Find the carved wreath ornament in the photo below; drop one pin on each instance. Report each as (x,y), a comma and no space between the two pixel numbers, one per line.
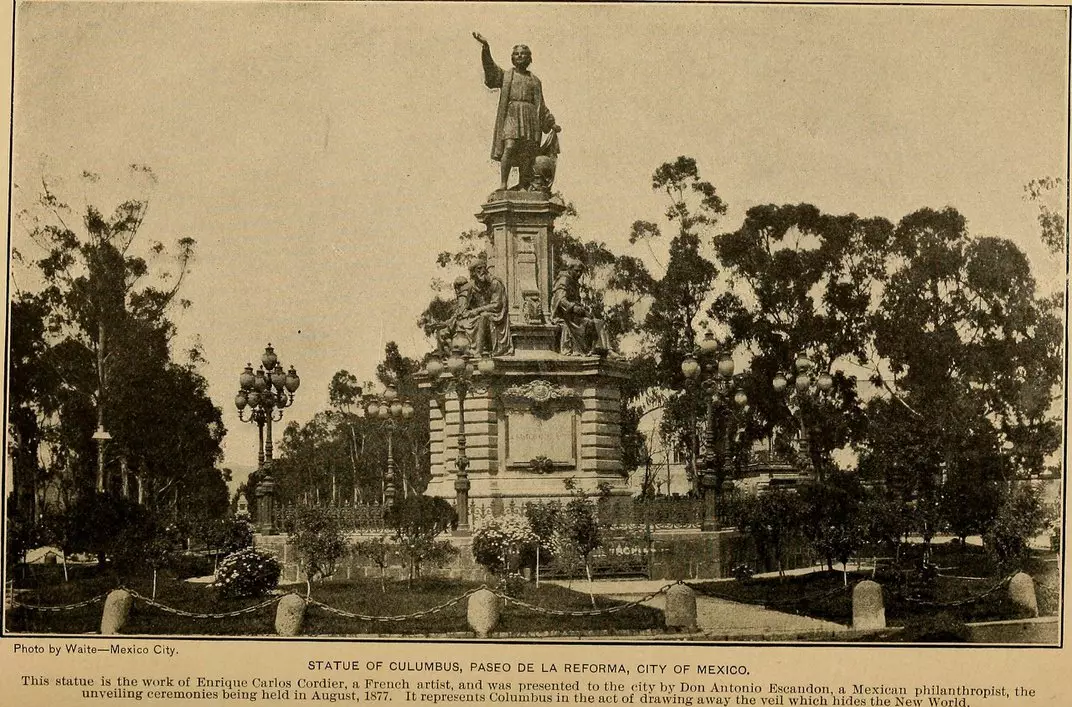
(541,465)
(539,391)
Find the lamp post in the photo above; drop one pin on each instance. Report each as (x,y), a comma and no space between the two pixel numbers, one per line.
(389,410)
(265,393)
(802,386)
(722,393)
(461,367)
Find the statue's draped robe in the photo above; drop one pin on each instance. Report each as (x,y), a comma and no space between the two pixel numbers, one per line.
(522,113)
(577,328)
(497,320)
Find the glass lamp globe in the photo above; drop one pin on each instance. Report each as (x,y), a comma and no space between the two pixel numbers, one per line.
(390,394)
(825,382)
(725,366)
(245,378)
(278,377)
(708,344)
(240,401)
(486,365)
(456,365)
(268,358)
(690,367)
(802,382)
(740,398)
(292,381)
(779,383)
(434,367)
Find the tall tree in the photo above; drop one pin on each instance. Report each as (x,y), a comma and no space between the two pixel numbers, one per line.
(102,298)
(676,299)
(801,281)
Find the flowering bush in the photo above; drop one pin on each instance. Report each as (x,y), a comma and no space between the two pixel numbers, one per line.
(247,573)
(503,543)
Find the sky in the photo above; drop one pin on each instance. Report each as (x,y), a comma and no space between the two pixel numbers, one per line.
(321,155)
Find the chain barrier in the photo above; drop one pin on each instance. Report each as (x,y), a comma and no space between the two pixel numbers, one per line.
(959,602)
(786,602)
(15,604)
(404,617)
(583,612)
(194,615)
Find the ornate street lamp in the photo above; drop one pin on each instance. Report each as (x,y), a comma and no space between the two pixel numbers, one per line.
(461,368)
(265,393)
(804,384)
(722,392)
(388,410)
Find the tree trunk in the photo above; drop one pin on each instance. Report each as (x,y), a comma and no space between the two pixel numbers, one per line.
(588,572)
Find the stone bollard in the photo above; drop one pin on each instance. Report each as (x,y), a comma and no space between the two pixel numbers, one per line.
(116,612)
(868,610)
(681,608)
(1022,593)
(483,612)
(289,614)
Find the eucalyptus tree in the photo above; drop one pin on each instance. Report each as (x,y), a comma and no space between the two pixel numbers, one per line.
(102,296)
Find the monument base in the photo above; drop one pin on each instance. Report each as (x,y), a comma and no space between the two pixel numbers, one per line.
(539,420)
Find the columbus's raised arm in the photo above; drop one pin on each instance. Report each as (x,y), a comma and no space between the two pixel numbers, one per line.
(493,75)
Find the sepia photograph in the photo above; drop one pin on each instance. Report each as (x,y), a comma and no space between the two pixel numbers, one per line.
(639,326)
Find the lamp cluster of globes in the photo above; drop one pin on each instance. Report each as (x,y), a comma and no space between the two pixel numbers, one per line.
(459,362)
(724,369)
(802,380)
(389,406)
(269,387)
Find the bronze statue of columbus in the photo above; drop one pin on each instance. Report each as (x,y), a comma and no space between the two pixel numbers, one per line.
(522,116)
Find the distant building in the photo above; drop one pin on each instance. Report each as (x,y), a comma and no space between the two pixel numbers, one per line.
(668,474)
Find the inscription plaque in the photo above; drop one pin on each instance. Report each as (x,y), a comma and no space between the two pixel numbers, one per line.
(529,436)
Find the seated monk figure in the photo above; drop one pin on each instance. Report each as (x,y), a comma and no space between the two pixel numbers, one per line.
(459,320)
(490,311)
(581,333)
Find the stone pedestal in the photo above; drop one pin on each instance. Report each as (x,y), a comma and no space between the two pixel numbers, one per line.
(528,427)
(520,225)
(266,504)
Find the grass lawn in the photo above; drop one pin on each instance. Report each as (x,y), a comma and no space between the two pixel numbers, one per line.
(967,573)
(364,597)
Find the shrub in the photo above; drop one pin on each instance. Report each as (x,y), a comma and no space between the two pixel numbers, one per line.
(247,573)
(417,520)
(233,534)
(379,550)
(1020,518)
(504,543)
(192,565)
(317,538)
